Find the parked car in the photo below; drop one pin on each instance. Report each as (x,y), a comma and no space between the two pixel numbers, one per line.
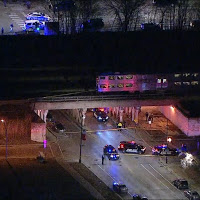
(111,152)
(92,25)
(164,150)
(38,16)
(150,27)
(49,117)
(120,188)
(192,195)
(60,128)
(139,197)
(180,184)
(195,25)
(101,116)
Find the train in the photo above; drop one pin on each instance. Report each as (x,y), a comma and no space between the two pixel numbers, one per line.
(131,83)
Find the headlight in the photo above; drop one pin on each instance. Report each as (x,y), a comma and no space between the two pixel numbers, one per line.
(100,117)
(107,117)
(111,156)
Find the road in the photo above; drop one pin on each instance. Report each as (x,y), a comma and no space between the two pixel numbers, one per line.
(143,174)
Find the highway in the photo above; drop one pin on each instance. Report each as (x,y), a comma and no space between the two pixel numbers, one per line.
(142,174)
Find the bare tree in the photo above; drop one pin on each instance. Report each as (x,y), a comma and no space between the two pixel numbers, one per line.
(124,11)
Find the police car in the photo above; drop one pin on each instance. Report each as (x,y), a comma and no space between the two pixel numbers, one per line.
(111,152)
(101,116)
(131,147)
(38,16)
(164,150)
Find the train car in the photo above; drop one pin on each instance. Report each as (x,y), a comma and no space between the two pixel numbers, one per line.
(129,82)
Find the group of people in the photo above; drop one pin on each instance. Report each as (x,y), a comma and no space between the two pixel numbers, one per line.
(11,29)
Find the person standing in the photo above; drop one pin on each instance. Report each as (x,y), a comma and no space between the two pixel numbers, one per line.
(2,31)
(102,159)
(11,28)
(147,116)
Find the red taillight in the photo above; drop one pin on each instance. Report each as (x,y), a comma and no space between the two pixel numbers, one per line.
(121,146)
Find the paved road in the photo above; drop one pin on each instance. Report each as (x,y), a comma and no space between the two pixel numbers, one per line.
(142,174)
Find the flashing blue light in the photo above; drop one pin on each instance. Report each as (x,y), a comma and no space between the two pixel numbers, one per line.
(38,28)
(109,150)
(114,183)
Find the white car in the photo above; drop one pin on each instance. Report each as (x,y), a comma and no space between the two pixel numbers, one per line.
(38,16)
(33,24)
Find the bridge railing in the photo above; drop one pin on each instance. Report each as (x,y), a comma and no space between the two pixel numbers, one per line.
(104,97)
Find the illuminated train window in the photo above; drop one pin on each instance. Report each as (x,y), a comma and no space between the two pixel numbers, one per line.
(186,83)
(194,82)
(158,80)
(177,75)
(177,83)
(120,85)
(186,74)
(164,80)
(111,78)
(195,74)
(129,76)
(103,86)
(120,77)
(102,77)
(111,86)
(129,85)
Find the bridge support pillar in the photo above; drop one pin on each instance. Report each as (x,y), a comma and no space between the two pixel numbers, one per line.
(82,116)
(126,111)
(129,112)
(121,112)
(132,114)
(117,112)
(137,109)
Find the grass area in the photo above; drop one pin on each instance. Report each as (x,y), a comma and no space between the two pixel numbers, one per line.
(29,179)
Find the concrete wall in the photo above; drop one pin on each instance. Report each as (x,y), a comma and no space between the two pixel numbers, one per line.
(38,132)
(189,126)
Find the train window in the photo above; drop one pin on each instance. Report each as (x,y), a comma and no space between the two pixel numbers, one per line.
(129,85)
(158,80)
(186,74)
(195,74)
(186,83)
(194,82)
(103,86)
(111,86)
(177,75)
(102,77)
(164,80)
(120,85)
(120,77)
(111,78)
(129,76)
(177,83)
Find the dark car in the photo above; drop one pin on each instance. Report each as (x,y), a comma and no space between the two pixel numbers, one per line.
(195,25)
(120,188)
(180,184)
(49,117)
(93,25)
(111,152)
(131,147)
(60,128)
(192,195)
(101,116)
(164,150)
(150,27)
(139,197)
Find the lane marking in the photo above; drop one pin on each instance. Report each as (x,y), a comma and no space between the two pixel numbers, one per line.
(154,176)
(164,178)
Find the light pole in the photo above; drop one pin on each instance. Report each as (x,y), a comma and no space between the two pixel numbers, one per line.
(82,117)
(5,126)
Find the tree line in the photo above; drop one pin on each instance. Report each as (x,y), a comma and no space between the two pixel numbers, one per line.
(126,15)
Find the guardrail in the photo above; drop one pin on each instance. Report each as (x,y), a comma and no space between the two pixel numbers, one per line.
(104,97)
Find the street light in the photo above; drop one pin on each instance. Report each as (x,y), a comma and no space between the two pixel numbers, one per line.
(82,117)
(4,122)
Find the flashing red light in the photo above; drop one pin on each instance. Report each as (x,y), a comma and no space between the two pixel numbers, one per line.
(121,146)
